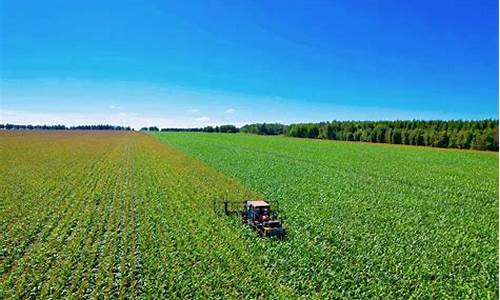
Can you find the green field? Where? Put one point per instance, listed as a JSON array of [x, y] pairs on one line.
[[118, 215], [129, 215], [369, 220]]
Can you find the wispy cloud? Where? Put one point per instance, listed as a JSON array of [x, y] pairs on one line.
[[134, 120], [203, 119], [75, 102]]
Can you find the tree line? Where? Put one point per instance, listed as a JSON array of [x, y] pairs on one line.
[[182, 129], [478, 135], [210, 129], [264, 128], [62, 127]]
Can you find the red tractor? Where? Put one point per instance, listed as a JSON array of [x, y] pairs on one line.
[[258, 215]]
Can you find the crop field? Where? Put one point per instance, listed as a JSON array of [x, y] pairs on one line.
[[368, 220], [129, 215], [118, 215]]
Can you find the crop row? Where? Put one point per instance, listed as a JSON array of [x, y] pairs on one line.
[[63, 256], [120, 215], [368, 220]]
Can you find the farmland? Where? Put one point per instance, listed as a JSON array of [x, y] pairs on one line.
[[129, 215], [117, 215], [369, 220]]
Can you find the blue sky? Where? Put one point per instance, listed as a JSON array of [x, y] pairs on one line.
[[181, 63]]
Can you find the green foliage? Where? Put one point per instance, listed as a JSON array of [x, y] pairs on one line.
[[105, 215], [120, 216], [366, 220], [228, 129], [478, 135], [210, 129], [264, 128], [63, 127]]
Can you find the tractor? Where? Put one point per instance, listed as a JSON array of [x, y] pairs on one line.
[[256, 214]]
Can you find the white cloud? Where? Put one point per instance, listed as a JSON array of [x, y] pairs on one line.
[[203, 119], [71, 119], [230, 110], [168, 106]]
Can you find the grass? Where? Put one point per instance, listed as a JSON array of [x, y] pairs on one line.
[[369, 220]]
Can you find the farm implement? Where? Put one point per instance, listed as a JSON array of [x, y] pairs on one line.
[[254, 213]]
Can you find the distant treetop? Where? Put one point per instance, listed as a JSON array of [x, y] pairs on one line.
[[264, 128], [62, 127], [222, 129], [478, 135]]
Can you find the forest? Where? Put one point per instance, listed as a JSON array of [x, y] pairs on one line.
[[477, 135], [264, 128], [459, 134], [209, 129], [62, 127]]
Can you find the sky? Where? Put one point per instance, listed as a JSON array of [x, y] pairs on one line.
[[198, 63]]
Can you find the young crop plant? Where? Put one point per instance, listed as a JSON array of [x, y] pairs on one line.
[[365, 220], [119, 215], [130, 215]]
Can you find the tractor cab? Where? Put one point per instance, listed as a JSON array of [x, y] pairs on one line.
[[257, 213]]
